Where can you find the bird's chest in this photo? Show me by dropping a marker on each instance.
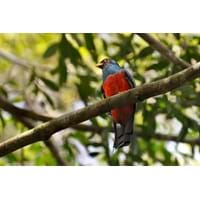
(115, 83)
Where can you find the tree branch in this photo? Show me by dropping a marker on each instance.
(5, 105)
(18, 113)
(45, 130)
(19, 61)
(167, 53)
(49, 143)
(169, 138)
(83, 127)
(14, 110)
(55, 152)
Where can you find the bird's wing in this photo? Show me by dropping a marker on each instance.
(130, 81)
(129, 78)
(129, 128)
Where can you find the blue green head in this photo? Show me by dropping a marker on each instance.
(108, 67)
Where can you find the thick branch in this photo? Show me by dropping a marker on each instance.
(83, 127)
(20, 114)
(167, 53)
(16, 111)
(49, 143)
(45, 130)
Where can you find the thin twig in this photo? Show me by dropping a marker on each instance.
(55, 152)
(19, 61)
(4, 104)
(164, 51)
(12, 58)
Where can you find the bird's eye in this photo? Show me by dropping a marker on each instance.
(105, 60)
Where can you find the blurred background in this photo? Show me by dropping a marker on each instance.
(53, 74)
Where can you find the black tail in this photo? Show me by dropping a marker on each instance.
(123, 134)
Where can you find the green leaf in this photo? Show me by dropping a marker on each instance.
(159, 66)
(84, 87)
(177, 35)
(80, 136)
(12, 158)
(145, 52)
(89, 40)
(51, 50)
(32, 77)
(2, 120)
(62, 70)
(48, 99)
(67, 50)
(3, 92)
(50, 84)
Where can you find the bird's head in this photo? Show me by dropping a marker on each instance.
(108, 67)
(105, 62)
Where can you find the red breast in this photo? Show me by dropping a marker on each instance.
(113, 85)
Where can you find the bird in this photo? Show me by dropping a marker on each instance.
(115, 81)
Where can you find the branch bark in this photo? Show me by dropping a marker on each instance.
(45, 130)
(167, 53)
(20, 114)
(83, 127)
(49, 143)
(14, 110)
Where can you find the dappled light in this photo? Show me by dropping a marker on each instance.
(43, 76)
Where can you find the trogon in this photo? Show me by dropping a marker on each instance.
(117, 80)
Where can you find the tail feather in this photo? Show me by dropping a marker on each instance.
(123, 134)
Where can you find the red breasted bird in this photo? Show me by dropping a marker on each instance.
(117, 80)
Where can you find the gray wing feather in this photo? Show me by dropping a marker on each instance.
(129, 78)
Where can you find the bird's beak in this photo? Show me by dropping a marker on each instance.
(99, 65)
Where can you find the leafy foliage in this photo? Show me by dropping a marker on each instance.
(64, 78)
